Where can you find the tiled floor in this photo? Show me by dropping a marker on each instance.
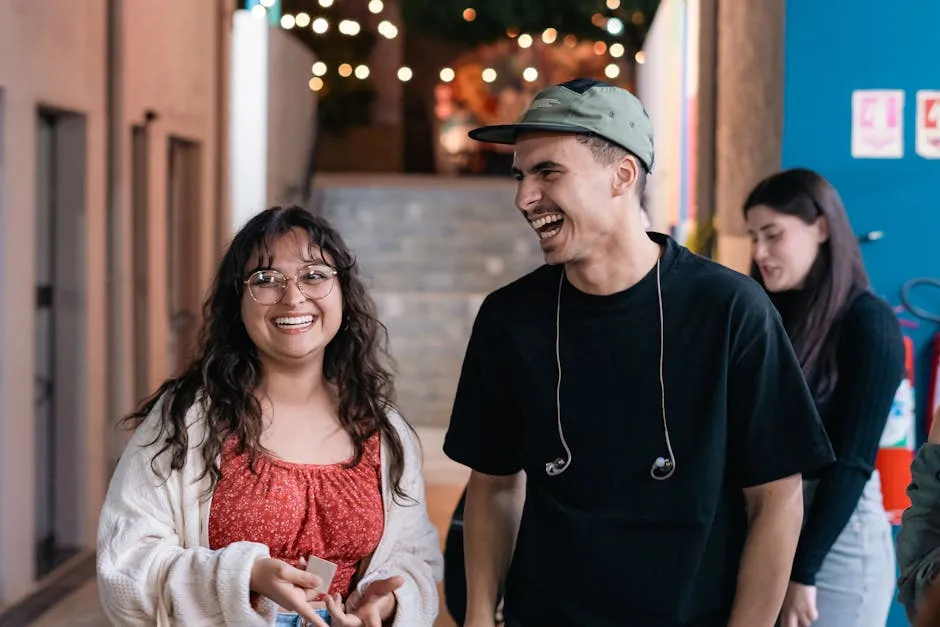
(82, 609)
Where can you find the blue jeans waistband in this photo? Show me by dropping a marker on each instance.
(295, 620)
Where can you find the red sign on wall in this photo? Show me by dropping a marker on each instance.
(928, 124)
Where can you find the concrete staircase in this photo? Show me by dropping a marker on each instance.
(431, 248)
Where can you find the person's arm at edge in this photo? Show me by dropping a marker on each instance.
(774, 515)
(491, 522)
(918, 540)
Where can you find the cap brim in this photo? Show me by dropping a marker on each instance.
(507, 133)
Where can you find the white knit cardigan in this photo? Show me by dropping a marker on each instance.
(155, 567)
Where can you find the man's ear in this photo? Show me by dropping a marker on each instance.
(626, 175)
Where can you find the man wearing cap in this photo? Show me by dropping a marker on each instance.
(634, 416)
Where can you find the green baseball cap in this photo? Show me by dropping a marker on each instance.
(583, 105)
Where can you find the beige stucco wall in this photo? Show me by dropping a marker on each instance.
(172, 60)
(49, 57)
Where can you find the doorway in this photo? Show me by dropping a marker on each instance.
(183, 252)
(59, 335)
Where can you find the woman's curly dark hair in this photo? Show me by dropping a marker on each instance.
(226, 370)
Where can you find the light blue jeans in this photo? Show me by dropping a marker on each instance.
(294, 620)
(855, 586)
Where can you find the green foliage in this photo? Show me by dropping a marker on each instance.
(444, 18)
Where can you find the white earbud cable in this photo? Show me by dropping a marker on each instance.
(662, 468)
(559, 465)
(669, 465)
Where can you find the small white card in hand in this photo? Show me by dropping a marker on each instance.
(324, 570)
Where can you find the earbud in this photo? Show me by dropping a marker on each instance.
(556, 467)
(662, 468)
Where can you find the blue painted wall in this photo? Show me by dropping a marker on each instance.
(833, 48)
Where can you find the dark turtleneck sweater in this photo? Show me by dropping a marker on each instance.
(870, 365)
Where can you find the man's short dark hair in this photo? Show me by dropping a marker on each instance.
(608, 153)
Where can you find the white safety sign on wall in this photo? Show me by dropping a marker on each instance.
(878, 123)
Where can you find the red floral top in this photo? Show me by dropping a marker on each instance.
(296, 510)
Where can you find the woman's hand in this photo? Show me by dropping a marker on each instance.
(378, 605)
(289, 587)
(799, 606)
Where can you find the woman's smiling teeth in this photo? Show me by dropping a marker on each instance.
(293, 322)
(548, 225)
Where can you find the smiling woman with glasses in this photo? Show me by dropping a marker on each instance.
(274, 482)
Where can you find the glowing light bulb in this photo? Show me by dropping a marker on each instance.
(387, 29)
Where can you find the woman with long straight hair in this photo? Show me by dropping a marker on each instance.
(273, 482)
(850, 347)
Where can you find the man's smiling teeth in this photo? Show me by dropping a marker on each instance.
(548, 225)
(540, 222)
(293, 321)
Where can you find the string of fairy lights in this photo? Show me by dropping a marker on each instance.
(386, 28)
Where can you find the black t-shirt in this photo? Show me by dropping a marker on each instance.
(604, 543)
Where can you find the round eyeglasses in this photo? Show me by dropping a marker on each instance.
(267, 287)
